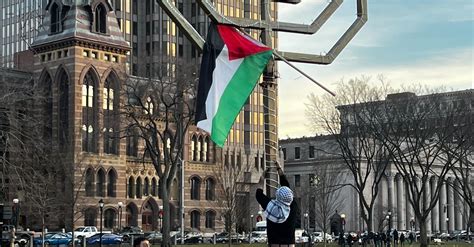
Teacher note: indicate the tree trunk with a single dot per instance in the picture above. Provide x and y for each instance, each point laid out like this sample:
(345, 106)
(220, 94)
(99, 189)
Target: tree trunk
(368, 219)
(166, 224)
(423, 234)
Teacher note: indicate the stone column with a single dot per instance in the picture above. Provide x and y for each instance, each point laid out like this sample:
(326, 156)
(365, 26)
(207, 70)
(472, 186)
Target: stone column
(459, 207)
(391, 197)
(435, 212)
(401, 204)
(451, 206)
(426, 203)
(442, 207)
(409, 208)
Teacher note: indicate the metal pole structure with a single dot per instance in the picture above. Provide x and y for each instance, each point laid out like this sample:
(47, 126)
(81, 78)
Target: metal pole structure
(270, 88)
(181, 201)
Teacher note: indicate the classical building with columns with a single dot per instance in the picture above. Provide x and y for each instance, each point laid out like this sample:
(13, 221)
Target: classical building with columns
(304, 155)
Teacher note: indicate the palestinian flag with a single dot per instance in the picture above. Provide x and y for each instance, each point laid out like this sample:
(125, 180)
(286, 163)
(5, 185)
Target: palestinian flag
(231, 65)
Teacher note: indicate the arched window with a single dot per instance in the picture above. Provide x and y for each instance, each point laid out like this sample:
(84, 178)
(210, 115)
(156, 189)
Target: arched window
(197, 145)
(89, 113)
(132, 142)
(131, 191)
(63, 111)
(153, 187)
(205, 149)
(47, 95)
(194, 148)
(149, 106)
(195, 188)
(90, 216)
(89, 182)
(55, 15)
(138, 188)
(146, 189)
(109, 218)
(100, 183)
(195, 219)
(210, 219)
(199, 149)
(202, 156)
(111, 183)
(210, 188)
(111, 114)
(100, 19)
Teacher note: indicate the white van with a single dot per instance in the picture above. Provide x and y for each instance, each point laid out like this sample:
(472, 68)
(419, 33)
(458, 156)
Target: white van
(261, 225)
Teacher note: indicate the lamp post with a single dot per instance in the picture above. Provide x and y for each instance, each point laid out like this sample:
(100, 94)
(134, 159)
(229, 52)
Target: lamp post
(389, 214)
(412, 223)
(160, 216)
(120, 205)
(447, 225)
(251, 222)
(343, 222)
(101, 207)
(16, 211)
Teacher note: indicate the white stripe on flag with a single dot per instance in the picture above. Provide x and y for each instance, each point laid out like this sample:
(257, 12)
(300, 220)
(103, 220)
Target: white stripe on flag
(221, 76)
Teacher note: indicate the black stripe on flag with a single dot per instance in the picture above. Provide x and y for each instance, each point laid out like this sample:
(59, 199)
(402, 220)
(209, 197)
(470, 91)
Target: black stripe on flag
(212, 48)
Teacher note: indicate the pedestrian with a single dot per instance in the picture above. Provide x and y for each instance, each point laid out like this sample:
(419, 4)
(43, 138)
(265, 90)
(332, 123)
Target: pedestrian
(402, 239)
(395, 237)
(145, 243)
(411, 237)
(281, 213)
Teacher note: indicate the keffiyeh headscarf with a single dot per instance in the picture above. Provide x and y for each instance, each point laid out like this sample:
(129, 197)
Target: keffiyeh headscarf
(278, 209)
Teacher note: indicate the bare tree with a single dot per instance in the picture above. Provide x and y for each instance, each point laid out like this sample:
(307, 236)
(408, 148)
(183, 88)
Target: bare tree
(159, 111)
(461, 147)
(415, 130)
(325, 190)
(229, 179)
(362, 153)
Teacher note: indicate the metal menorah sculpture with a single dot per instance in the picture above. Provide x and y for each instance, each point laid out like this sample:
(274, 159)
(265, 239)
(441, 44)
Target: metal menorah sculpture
(267, 26)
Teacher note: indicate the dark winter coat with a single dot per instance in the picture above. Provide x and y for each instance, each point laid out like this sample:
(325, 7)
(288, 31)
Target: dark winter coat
(280, 233)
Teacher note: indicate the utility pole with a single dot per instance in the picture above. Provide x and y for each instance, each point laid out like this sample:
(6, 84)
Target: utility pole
(267, 26)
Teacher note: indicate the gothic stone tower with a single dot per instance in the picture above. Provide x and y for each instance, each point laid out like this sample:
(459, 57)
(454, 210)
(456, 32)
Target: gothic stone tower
(80, 56)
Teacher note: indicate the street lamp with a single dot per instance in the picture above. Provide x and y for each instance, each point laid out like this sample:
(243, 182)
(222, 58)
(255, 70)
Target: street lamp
(389, 214)
(160, 216)
(412, 223)
(251, 222)
(101, 207)
(16, 206)
(120, 205)
(447, 225)
(306, 221)
(343, 221)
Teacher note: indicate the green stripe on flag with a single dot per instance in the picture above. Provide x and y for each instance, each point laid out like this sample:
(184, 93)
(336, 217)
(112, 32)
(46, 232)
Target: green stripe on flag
(236, 93)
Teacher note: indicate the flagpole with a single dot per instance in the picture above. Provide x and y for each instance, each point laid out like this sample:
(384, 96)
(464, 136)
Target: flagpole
(301, 72)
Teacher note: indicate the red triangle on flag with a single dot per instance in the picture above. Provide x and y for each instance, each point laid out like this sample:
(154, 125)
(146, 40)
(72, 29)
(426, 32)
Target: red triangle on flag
(238, 44)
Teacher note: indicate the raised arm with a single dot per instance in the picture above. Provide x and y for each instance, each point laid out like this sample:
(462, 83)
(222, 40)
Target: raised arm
(262, 199)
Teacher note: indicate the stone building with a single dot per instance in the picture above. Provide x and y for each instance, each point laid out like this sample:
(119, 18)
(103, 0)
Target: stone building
(81, 56)
(304, 156)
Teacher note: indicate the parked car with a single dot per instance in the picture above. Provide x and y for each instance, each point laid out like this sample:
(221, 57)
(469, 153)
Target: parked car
(107, 238)
(87, 231)
(223, 237)
(318, 237)
(54, 239)
(258, 237)
(128, 231)
(197, 239)
(154, 237)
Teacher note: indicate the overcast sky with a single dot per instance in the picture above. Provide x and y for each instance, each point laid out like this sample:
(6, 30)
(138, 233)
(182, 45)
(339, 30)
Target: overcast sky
(422, 41)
